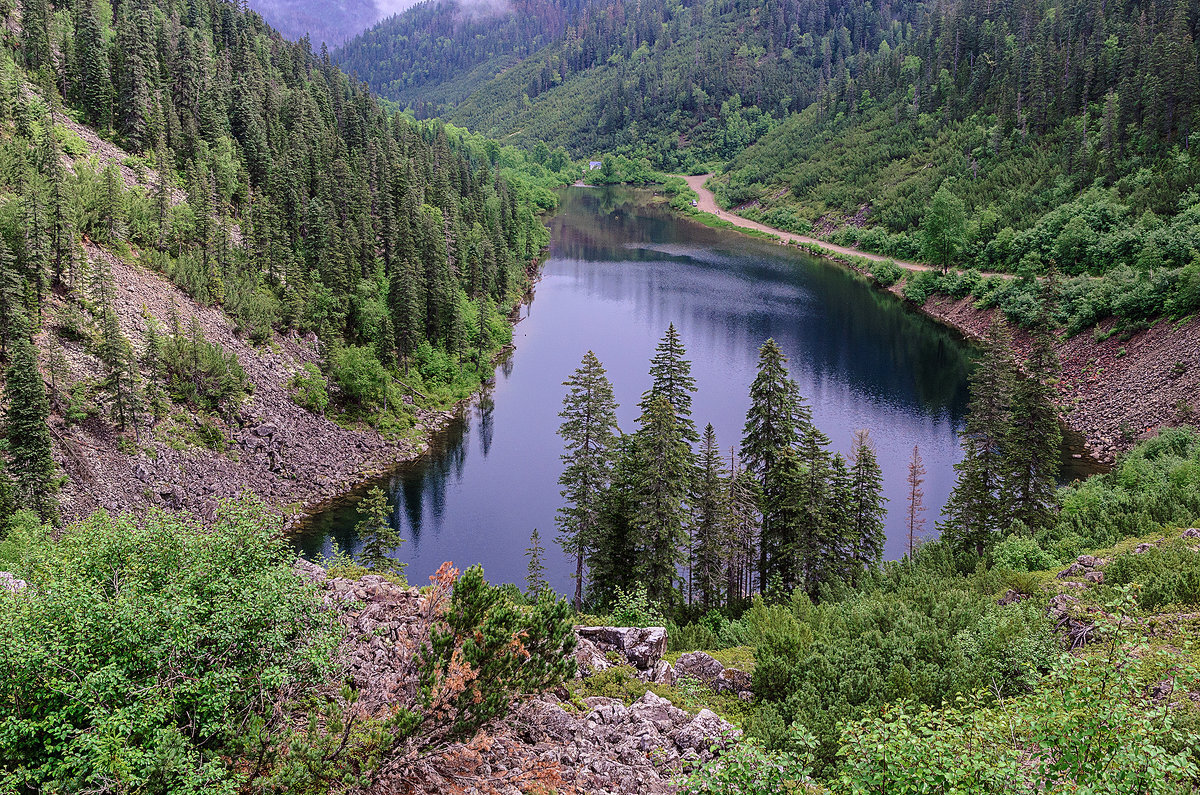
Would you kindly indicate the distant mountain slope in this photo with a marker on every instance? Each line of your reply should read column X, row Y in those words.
column 678, row 82
column 328, row 21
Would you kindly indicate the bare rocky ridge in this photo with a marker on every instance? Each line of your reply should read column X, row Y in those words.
column 546, row 743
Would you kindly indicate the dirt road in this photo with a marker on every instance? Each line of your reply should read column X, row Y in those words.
column 708, row 203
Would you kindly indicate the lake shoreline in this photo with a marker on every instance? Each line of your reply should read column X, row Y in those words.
column 1143, row 389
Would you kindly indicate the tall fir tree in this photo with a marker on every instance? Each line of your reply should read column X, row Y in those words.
column 777, row 418
column 671, row 379
column 978, row 507
column 659, row 522
column 27, row 426
column 589, row 431
column 867, row 511
column 711, row 534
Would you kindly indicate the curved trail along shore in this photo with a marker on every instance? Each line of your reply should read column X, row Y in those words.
column 1115, row 392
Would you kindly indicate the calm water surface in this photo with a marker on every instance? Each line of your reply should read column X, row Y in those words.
column 621, row 268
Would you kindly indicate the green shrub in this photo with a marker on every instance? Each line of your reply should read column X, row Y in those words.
column 198, row 372
column 359, row 375
column 1019, row 552
column 309, row 389
column 1169, row 575
column 886, row 272
column 634, row 609
column 152, row 650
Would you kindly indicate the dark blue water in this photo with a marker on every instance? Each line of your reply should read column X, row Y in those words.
column 620, row 269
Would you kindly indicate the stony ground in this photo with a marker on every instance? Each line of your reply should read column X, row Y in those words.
column 1116, row 392
column 276, row 449
column 548, row 743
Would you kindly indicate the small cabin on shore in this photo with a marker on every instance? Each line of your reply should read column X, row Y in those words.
column 594, row 164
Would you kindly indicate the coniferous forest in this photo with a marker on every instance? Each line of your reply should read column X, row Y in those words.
column 223, row 252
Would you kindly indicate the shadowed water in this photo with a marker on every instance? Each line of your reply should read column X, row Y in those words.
column 620, row 269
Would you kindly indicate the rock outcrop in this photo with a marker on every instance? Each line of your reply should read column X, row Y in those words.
column 641, row 647
column 544, row 744
column 704, row 668
column 10, row 584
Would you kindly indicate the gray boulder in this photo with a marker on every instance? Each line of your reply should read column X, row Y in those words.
column 643, row 647
column 10, row 584
column 705, row 732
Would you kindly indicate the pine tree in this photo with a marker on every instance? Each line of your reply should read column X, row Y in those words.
column 95, row 88
column 866, row 512
column 659, row 520
column 589, row 431
column 378, row 536
column 671, row 375
column 914, row 514
column 27, row 427
column 978, row 507
column 535, row 576
column 808, row 513
column 775, row 421
column 1032, row 449
column 710, row 529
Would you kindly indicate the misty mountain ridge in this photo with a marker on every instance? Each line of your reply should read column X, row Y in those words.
column 330, row 21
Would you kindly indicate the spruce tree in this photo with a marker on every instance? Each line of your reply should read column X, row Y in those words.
column 711, row 534
column 589, row 431
column 535, row 574
column 775, row 421
column 665, row 470
column 379, row 538
column 671, row 375
column 27, row 427
column 867, row 509
column 95, row 88
column 1032, row 449
column 978, row 507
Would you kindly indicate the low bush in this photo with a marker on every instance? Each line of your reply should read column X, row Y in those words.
column 155, row 649
column 309, row 389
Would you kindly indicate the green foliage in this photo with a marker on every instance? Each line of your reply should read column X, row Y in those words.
column 1087, row 727
column 379, row 538
column 310, row 389
column 1168, row 575
column 634, row 609
column 1156, row 484
column 503, row 649
column 747, row 768
column 198, row 372
column 103, row 683
column 1020, row 552
column 363, row 381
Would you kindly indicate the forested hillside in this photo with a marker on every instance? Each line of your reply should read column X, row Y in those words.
column 681, row 83
column 1057, row 133
column 258, row 178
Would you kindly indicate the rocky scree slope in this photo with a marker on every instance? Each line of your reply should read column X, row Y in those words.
column 274, row 448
